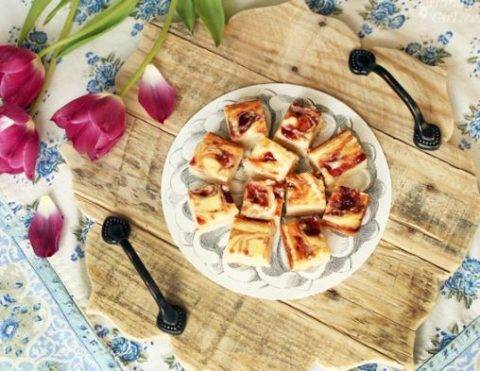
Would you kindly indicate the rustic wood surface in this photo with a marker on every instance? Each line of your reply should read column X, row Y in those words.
column 373, row 315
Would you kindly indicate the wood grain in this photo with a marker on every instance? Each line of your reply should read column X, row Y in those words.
column 372, row 315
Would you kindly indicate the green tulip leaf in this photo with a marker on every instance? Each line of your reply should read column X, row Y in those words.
column 212, row 15
column 186, row 12
column 55, row 10
column 101, row 23
column 36, row 9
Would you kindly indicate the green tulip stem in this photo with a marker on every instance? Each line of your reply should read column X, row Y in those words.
column 154, row 51
column 52, row 47
column 67, row 27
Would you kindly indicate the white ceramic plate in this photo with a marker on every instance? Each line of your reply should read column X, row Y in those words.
column 205, row 250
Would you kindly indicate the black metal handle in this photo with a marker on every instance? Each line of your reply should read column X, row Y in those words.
column 401, row 92
column 144, row 274
column 172, row 318
column 426, row 136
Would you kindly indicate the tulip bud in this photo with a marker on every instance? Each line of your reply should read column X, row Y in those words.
column 93, row 122
column 21, row 75
column 18, row 141
column 46, row 228
column 155, row 94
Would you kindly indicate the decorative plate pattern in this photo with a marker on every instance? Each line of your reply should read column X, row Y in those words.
column 205, row 249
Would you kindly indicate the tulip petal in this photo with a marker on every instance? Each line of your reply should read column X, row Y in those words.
column 74, row 112
column 156, row 95
column 5, row 168
column 21, row 75
column 14, row 59
column 93, row 122
column 106, row 113
column 46, row 228
column 86, row 141
column 10, row 140
column 30, row 152
column 19, row 141
column 12, row 114
column 22, row 88
column 105, row 144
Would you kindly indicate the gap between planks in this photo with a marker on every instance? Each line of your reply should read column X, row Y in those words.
column 289, row 304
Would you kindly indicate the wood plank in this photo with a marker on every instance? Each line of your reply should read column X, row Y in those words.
column 235, row 323
column 447, row 212
column 317, row 56
column 354, row 306
column 407, row 284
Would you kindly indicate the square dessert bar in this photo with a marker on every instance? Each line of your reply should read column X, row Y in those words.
column 269, row 160
column 299, row 126
column 338, row 157
column 305, row 195
column 263, row 199
column 250, row 242
column 211, row 205
column 246, row 122
column 345, row 210
column 216, row 160
column 304, row 243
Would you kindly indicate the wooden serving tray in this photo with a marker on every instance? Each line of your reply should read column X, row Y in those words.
column 373, row 315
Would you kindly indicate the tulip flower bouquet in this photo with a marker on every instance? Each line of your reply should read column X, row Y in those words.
column 94, row 123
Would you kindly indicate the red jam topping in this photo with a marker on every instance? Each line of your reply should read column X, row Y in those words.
column 347, row 163
column 245, row 120
column 310, row 225
column 305, row 123
column 345, row 199
column 268, row 156
column 257, row 194
column 200, row 220
column 204, row 192
column 303, row 251
column 307, row 118
column 224, row 158
column 289, row 133
column 193, row 161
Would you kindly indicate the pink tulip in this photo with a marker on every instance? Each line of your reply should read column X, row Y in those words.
column 155, row 94
column 18, row 141
column 46, row 228
column 21, row 75
column 93, row 122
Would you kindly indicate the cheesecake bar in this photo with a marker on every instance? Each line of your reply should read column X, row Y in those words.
column 269, row 160
column 304, row 243
column 337, row 158
column 216, row 160
column 246, row 122
column 250, row 242
column 211, row 205
column 345, row 210
column 299, row 126
column 305, row 194
column 263, row 199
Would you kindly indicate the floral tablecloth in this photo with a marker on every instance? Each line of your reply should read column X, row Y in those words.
column 42, row 323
